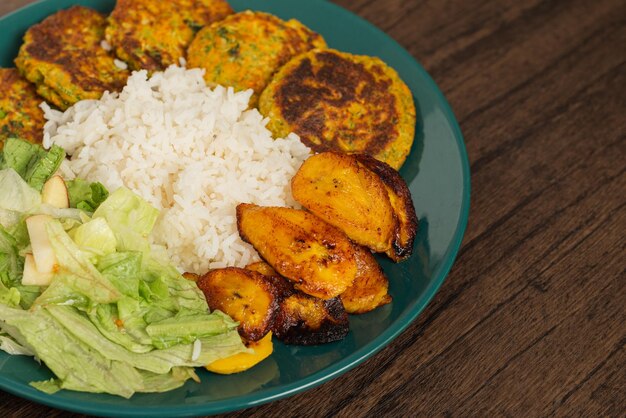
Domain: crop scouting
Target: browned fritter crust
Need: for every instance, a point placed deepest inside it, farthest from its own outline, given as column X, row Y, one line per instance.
column 338, row 101
column 62, row 55
column 20, row 115
column 152, row 35
column 246, row 49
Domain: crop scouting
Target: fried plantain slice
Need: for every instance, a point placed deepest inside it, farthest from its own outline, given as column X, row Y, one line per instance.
column 191, row 276
column 400, row 198
column 306, row 320
column 315, row 255
column 341, row 191
column 246, row 296
column 369, row 289
column 263, row 268
column 302, row 319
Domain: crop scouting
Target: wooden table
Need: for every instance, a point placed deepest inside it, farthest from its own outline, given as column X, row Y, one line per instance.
column 531, row 320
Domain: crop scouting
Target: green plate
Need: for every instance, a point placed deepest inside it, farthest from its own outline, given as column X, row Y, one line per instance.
column 437, row 172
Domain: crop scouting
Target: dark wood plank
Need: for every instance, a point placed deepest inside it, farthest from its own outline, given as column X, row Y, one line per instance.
column 531, row 319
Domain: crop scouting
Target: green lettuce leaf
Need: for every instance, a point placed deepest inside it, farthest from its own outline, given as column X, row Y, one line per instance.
column 130, row 217
column 10, row 346
column 95, row 238
column 76, row 269
column 49, row 386
column 33, row 163
column 17, row 196
column 123, row 269
column 19, row 155
column 43, row 168
column 85, row 195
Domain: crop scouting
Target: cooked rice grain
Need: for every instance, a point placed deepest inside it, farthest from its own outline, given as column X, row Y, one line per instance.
column 191, row 151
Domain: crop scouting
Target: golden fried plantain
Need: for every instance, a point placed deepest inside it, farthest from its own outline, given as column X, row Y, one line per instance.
column 306, row 320
column 341, row 191
column 263, row 268
column 315, row 255
column 303, row 319
column 191, row 276
column 246, row 296
column 400, row 198
column 369, row 289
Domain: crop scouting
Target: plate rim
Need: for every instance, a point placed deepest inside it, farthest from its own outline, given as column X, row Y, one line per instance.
column 260, row 397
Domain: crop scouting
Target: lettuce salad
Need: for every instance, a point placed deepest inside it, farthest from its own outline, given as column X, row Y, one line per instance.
column 115, row 316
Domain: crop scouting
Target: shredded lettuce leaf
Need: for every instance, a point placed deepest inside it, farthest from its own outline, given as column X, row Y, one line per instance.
column 33, row 163
column 86, row 196
column 117, row 317
column 130, row 217
column 17, row 196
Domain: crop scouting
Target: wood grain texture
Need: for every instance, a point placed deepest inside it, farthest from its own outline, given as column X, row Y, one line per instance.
column 531, row 320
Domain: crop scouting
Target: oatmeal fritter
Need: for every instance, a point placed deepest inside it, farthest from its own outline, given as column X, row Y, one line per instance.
column 20, row 115
column 63, row 56
column 246, row 49
column 342, row 102
column 152, row 35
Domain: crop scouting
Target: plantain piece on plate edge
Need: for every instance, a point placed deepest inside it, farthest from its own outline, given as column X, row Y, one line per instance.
column 152, row 35
column 302, row 319
column 344, row 193
column 402, row 203
column 64, row 58
column 313, row 254
column 20, row 115
column 370, row 287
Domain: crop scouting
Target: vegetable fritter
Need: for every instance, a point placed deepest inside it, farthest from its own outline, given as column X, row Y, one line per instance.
column 152, row 35
column 369, row 289
column 341, row 191
column 62, row 55
column 244, row 295
column 315, row 255
column 338, row 101
column 400, row 198
column 302, row 319
column 20, row 115
column 246, row 49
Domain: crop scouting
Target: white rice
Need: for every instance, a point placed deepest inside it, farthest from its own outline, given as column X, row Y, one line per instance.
column 192, row 152
column 105, row 45
column 120, row 64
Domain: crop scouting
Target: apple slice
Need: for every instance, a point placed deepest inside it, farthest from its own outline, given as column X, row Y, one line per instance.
column 55, row 193
column 45, row 259
column 32, row 276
